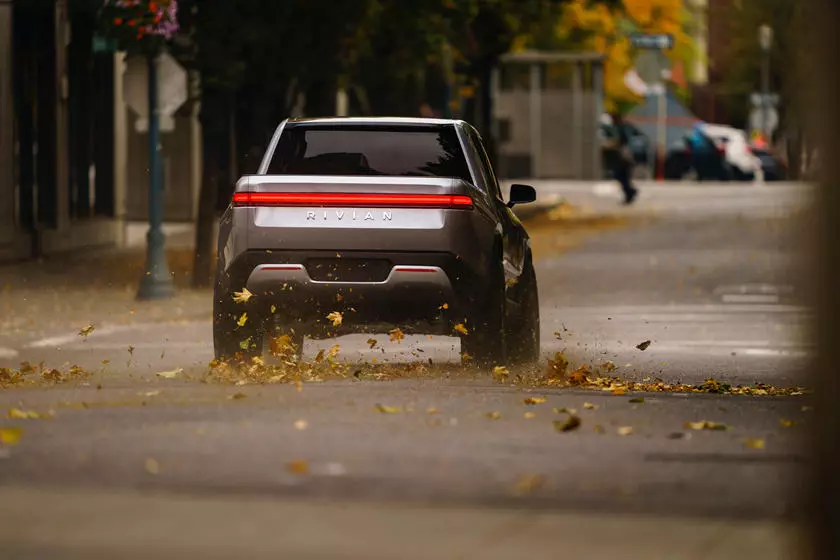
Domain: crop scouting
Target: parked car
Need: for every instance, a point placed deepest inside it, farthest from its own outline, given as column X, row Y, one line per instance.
column 773, row 167
column 705, row 162
column 391, row 222
column 743, row 164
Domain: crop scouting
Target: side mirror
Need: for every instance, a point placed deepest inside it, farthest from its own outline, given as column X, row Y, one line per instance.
column 521, row 194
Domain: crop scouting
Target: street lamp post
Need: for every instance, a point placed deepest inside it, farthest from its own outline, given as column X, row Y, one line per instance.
column 765, row 41
column 156, row 282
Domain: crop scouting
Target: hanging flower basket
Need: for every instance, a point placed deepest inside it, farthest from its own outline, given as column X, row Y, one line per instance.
column 139, row 26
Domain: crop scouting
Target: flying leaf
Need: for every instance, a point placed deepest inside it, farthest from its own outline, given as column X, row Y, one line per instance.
column 332, row 353
column 243, row 296
column 624, row 430
column 754, row 443
column 637, row 400
column 396, row 335
column 245, row 344
column 106, row 362
column 590, row 406
column 387, row 409
column 237, row 396
column 500, row 373
column 273, row 309
column 534, row 400
column 298, row 466
column 529, row 415
column 558, row 366
column 571, row 422
column 460, row 329
column 319, row 357
column 131, row 349
column 371, row 342
column 11, row 435
column 608, row 366
column 785, row 423
column 493, row 415
column 171, row 374
column 242, row 319
column 152, row 466
column 86, row 330
column 432, row 410
column 643, row 345
column 336, row 318
column 444, row 306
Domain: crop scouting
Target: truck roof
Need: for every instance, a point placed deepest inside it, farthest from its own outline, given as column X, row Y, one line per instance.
column 386, row 121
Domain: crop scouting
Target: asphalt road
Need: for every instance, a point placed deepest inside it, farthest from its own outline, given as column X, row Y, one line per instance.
column 711, row 281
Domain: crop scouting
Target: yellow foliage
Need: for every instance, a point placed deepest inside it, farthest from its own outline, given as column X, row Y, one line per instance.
column 601, row 30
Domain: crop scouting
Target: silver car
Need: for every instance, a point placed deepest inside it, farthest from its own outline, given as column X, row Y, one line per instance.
column 370, row 224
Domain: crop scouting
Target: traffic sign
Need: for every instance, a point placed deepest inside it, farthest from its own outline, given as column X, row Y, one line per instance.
column 760, row 99
column 172, row 90
column 653, row 41
column 757, row 119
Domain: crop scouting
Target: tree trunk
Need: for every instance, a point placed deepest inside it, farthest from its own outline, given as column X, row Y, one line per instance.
column 204, row 227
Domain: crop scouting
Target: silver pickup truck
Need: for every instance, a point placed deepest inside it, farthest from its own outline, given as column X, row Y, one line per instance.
column 369, row 224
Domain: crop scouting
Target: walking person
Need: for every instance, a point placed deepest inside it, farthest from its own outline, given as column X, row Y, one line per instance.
column 623, row 160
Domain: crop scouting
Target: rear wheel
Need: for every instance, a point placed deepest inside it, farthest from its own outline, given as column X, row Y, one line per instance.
column 523, row 340
column 485, row 344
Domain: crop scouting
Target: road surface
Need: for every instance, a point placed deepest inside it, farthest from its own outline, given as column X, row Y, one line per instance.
column 709, row 277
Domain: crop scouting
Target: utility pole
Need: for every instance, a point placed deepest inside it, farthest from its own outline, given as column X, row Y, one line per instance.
column 765, row 40
column 156, row 282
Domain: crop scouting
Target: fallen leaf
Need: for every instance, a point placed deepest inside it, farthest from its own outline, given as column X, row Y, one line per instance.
column 534, row 400
column 396, row 335
column 237, row 396
column 754, row 443
column 152, row 466
column 243, row 296
column 11, row 435
column 298, row 466
column 332, row 353
column 643, row 345
column 273, row 309
column 599, row 429
column 558, row 336
column 336, row 318
column 444, row 306
column 171, row 374
column 679, row 435
column 590, row 406
column 565, row 410
column 494, row 415
column 706, row 425
column 319, row 357
column 387, row 409
column 460, row 329
column 785, row 423
column 371, row 342
column 87, row 330
column 619, row 392
column 624, row 430
column 572, row 422
column 529, row 415
column 528, row 483
column 301, row 424
column 242, row 319
column 807, row 408
column 500, row 373
column 432, row 410
column 637, row 400
column 608, row 366
column 580, row 376
column 557, row 367
column 131, row 350
column 20, row 414
column 149, row 393
column 106, row 362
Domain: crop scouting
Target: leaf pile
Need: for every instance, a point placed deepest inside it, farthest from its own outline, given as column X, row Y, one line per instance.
column 584, row 377
column 31, row 374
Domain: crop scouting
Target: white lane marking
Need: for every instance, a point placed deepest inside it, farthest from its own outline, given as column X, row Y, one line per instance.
column 7, row 353
column 720, row 308
column 603, row 189
column 750, row 298
column 139, row 345
column 773, row 352
column 753, row 288
column 99, row 331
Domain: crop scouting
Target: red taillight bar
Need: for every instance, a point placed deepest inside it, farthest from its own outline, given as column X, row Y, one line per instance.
column 350, row 200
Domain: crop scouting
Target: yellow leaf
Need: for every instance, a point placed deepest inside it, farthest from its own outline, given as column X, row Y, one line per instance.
column 705, row 425
column 273, row 309
column 493, row 415
column 171, row 374
column 754, row 443
column 237, row 396
column 333, row 352
column 152, row 466
column 565, row 410
column 444, row 306
column 371, row 342
column 637, row 400
column 243, row 296
column 106, row 362
column 242, row 319
column 298, row 466
column 500, row 373
column 608, row 366
column 336, row 318
column 624, row 430
column 396, row 335
column 599, row 429
column 11, row 435
column 572, row 422
column 619, row 392
column 590, row 406
column 432, row 410
column 534, row 400
column 319, row 357
column 529, row 415
column 387, row 409
column 19, row 414
column 86, row 330
column 460, row 329
column 787, row 423
column 301, row 424
column 529, row 483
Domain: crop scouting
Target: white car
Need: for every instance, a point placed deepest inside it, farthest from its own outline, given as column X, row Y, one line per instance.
column 745, row 165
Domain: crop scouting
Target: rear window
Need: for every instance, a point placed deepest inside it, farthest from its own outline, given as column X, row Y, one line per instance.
column 370, row 151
